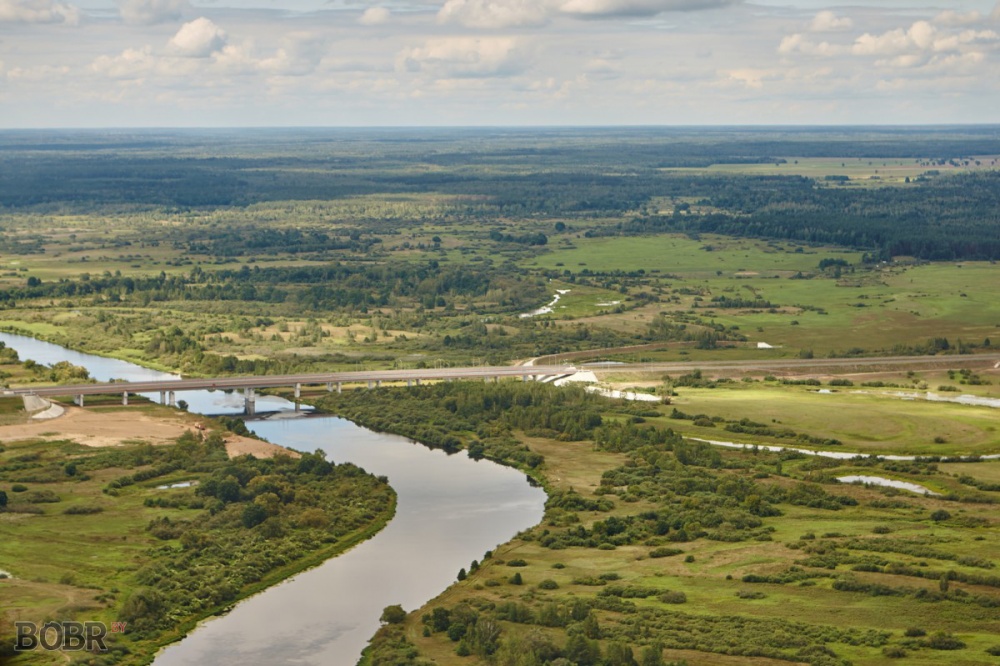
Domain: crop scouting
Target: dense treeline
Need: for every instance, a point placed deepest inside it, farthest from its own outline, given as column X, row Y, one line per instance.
column 312, row 288
column 943, row 219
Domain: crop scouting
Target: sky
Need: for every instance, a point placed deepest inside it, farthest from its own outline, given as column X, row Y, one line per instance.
column 254, row 63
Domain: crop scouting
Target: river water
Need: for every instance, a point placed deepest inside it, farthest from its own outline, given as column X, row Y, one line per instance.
column 450, row 510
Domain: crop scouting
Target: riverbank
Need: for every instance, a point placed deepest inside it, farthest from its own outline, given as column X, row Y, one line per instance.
column 102, row 427
column 93, row 511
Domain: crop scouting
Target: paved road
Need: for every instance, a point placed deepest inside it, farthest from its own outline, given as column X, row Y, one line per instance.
column 436, row 374
column 847, row 364
column 271, row 381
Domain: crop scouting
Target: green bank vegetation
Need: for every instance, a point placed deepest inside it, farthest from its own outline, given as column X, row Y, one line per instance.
column 667, row 549
column 162, row 537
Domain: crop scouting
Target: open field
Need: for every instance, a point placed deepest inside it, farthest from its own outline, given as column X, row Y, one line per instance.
column 862, row 172
column 861, row 419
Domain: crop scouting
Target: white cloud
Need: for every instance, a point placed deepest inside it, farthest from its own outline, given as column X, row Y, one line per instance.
column 596, row 8
column 995, row 15
column 950, row 17
column 495, row 13
column 148, row 12
column 38, row 11
column 299, row 55
column 375, row 16
column 198, row 39
column 827, row 21
column 463, row 57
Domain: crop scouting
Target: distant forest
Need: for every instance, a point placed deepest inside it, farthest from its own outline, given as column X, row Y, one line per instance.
column 605, row 177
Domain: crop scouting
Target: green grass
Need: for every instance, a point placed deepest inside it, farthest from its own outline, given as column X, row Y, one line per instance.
column 863, row 422
column 679, row 255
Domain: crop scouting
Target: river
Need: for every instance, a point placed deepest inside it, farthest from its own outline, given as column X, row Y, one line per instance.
column 450, row 510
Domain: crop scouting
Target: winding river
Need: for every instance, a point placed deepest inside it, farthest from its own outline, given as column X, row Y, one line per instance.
column 450, row 510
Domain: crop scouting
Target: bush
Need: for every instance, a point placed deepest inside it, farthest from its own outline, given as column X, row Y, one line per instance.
column 993, row 650
column 940, row 515
column 18, row 488
column 671, row 597
column 915, row 632
column 750, row 594
column 516, row 579
column 665, row 552
column 893, row 652
column 393, row 615
column 548, row 584
column 83, row 510
column 943, row 640
column 517, row 563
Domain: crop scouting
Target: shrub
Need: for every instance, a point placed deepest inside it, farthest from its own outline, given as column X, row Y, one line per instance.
column 942, row 640
column 993, row 650
column 83, row 510
column 517, row 563
column 915, row 632
column 893, row 652
column 750, row 594
column 665, row 552
column 18, row 488
column 393, row 615
column 548, row 584
column 940, row 515
column 516, row 579
column 671, row 597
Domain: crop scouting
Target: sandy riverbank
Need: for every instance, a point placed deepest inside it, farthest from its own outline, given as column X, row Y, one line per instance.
column 118, row 428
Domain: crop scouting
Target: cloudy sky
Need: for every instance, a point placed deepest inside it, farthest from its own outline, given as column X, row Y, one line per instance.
column 99, row 63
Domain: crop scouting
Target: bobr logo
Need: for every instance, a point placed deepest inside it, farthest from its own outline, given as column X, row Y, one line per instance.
column 68, row 636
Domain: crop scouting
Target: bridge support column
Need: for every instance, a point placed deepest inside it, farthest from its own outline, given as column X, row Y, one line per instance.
column 163, row 397
column 378, row 383
column 125, row 399
column 329, row 387
column 340, row 388
column 418, row 382
column 79, row 400
column 249, row 401
column 298, row 391
column 409, row 383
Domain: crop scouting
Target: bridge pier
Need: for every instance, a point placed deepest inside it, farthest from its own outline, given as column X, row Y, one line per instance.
column 163, row 397
column 298, row 392
column 340, row 389
column 409, row 383
column 79, row 400
column 371, row 385
column 418, row 382
column 249, row 402
column 173, row 403
column 329, row 387
column 125, row 399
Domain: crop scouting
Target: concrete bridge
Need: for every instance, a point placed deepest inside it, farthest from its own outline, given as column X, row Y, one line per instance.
column 333, row 381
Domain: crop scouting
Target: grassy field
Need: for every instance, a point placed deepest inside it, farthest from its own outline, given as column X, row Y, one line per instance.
column 864, row 422
column 869, row 309
column 861, row 172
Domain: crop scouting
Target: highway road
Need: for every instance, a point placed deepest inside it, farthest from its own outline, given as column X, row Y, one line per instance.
column 272, row 381
column 331, row 379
